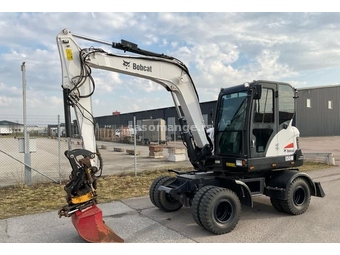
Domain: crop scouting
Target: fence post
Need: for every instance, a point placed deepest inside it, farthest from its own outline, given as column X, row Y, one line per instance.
column 134, row 144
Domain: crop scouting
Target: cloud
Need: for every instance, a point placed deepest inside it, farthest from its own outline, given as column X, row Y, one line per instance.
column 221, row 49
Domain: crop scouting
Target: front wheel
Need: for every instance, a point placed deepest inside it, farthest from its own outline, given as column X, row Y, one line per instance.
column 152, row 190
column 160, row 198
column 219, row 210
column 298, row 198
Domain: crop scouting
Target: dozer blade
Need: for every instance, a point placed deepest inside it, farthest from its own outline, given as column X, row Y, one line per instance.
column 92, row 228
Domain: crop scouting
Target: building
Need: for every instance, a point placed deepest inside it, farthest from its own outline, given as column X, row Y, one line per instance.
column 9, row 127
column 52, row 130
column 169, row 114
column 318, row 111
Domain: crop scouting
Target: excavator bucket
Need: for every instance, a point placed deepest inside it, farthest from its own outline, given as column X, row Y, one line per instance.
column 91, row 227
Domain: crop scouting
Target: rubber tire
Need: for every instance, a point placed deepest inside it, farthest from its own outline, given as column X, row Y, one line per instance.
column 299, row 196
column 219, row 210
column 152, row 188
column 196, row 201
column 160, row 198
column 277, row 204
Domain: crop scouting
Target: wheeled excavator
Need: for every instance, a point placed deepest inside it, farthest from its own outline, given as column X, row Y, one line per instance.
column 252, row 149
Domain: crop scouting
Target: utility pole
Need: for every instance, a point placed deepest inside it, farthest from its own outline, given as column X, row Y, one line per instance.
column 27, row 153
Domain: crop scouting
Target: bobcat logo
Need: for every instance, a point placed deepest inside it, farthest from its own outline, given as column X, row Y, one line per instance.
column 289, row 147
column 126, row 64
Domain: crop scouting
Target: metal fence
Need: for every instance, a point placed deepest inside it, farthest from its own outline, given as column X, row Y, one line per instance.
column 42, row 160
column 44, row 163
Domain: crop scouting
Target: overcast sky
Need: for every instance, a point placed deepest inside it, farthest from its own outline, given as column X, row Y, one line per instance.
column 220, row 50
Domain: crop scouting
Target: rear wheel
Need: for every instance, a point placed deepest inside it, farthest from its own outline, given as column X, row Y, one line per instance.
column 299, row 196
column 160, row 198
column 197, row 201
column 219, row 210
column 277, row 204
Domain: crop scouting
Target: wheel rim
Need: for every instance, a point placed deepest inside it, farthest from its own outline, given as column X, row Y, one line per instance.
column 299, row 196
column 224, row 211
column 168, row 197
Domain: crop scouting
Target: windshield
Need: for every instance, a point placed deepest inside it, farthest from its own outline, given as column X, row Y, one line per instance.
column 230, row 123
column 232, row 111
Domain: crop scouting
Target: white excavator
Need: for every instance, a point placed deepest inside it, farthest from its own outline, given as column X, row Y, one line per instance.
column 252, row 150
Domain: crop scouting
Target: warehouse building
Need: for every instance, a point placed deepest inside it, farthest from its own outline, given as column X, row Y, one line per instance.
column 318, row 111
column 9, row 127
column 169, row 114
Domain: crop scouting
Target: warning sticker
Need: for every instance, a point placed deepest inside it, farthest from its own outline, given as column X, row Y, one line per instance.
column 69, row 54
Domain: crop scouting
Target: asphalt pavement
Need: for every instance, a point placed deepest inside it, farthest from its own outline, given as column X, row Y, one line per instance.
column 137, row 220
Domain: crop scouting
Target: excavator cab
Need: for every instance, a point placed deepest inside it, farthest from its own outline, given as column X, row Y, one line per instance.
column 254, row 127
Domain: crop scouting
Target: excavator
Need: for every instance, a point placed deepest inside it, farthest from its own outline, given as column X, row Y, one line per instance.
column 251, row 150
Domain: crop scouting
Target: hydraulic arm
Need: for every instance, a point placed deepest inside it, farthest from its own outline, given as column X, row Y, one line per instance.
column 172, row 74
column 78, row 87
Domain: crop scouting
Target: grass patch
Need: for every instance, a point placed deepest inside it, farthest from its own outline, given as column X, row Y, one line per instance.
column 23, row 200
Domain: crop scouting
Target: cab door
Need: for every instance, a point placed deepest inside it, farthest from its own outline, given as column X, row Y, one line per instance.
column 287, row 133
column 263, row 125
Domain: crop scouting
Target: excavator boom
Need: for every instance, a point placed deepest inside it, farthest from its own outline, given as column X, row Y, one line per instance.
column 78, row 87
